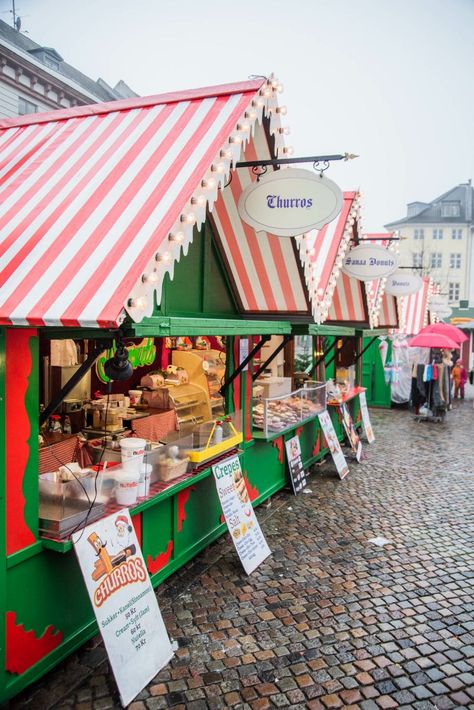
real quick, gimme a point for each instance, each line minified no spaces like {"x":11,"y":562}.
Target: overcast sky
{"x":389,"y":80}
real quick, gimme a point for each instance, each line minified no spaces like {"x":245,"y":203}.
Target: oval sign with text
{"x":438,"y":303}
{"x":402,"y":284}
{"x":369,"y":261}
{"x":289,"y":202}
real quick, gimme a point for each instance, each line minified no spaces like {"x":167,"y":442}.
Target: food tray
{"x":166,"y":471}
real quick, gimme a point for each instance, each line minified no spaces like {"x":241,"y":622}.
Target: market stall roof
{"x":413,"y":309}
{"x":382,"y":306}
{"x":265,"y":270}
{"x":335,"y":296}
{"x":99,"y":202}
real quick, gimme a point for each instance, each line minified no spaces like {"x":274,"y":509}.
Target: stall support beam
{"x":286,"y":339}
{"x":75,"y":379}
{"x":338,"y":350}
{"x":372,"y":340}
{"x":243,"y":364}
{"x":321,"y":359}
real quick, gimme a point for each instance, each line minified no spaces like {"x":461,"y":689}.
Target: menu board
{"x":333,"y":444}
{"x":239,"y":514}
{"x":369,"y":432}
{"x":124,"y":602}
{"x":349,"y":428}
{"x":295,"y":464}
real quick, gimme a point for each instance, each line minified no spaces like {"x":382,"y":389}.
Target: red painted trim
{"x":127,"y":104}
{"x":154,"y":564}
{"x":24,"y":648}
{"x":317,"y":445}
{"x":17,"y":432}
{"x":137,"y":524}
{"x":183,"y":497}
{"x":278,"y":444}
{"x":251,"y":490}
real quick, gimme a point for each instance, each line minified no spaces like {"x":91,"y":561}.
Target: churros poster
{"x":239,"y":514}
{"x":124,"y":602}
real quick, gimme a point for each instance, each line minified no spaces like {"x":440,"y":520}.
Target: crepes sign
{"x":239,"y":514}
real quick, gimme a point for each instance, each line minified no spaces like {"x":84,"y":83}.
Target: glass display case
{"x":274,"y":414}
{"x":190,"y":404}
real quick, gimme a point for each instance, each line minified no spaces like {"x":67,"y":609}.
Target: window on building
{"x":437,"y":233}
{"x":436,"y":260}
{"x":453,"y":291}
{"x":25,"y":107}
{"x":417,"y":260}
{"x":419,"y":234}
{"x":455,"y":261}
{"x":456,"y":234}
{"x":450,"y":209}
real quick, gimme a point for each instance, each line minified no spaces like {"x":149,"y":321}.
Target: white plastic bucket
{"x":132,"y":451}
{"x":126,"y":488}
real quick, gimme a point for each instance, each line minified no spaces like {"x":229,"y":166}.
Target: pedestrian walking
{"x":459,"y":377}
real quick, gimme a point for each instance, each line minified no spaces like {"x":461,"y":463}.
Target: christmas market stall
{"x":137,"y":309}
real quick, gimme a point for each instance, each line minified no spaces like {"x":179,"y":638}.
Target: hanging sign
{"x":239,"y":514}
{"x":295,"y":464}
{"x":349,"y":428}
{"x":289,"y":202}
{"x":333,"y":444}
{"x":124,"y":602}
{"x":369,"y":432}
{"x":438,"y":302}
{"x":369,"y":261}
{"x":402,"y":284}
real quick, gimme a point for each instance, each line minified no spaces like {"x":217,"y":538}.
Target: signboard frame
{"x":295,"y":464}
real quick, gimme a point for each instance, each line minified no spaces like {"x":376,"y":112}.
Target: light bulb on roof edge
{"x":219,"y":168}
{"x":282,"y":110}
{"x":189,"y":218}
{"x":252,"y":115}
{"x":208,"y":183}
{"x":200,"y":200}
{"x":288,"y":149}
{"x":235,"y":139}
{"x":150,"y":278}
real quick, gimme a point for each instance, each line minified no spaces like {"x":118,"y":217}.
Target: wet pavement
{"x":331,"y":619}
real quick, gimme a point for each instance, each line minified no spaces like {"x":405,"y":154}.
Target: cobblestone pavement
{"x":330,"y":619}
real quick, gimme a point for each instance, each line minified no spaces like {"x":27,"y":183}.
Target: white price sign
{"x":239,"y":514}
{"x":333,"y":444}
{"x":369,"y":432}
{"x":124,"y":602}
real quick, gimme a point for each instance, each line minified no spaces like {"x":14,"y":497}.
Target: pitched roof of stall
{"x":99,"y":201}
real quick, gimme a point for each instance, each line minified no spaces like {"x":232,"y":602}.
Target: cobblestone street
{"x":331,"y":619}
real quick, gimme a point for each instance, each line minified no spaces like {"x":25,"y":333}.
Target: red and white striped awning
{"x":265,"y":269}
{"x":413,"y":309}
{"x":382,"y":306}
{"x":97,"y":203}
{"x":334,"y":296}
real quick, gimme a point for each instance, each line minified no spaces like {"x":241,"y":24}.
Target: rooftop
{"x":453,"y":206}
{"x":27,"y":46}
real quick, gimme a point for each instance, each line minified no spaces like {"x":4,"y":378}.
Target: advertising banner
{"x":239,"y":514}
{"x":351,"y":433}
{"x":295,"y":464}
{"x":333,"y":444}
{"x":403,"y":284}
{"x":369,"y":432}
{"x":124,"y":602}
{"x":288,"y":202}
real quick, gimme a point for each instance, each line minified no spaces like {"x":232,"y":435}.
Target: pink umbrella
{"x":433,"y":340}
{"x":451,"y":331}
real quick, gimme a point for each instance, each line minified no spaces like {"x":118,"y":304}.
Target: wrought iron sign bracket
{"x":315,"y":159}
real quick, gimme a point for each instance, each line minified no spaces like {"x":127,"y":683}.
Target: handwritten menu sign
{"x":369,"y":432}
{"x":349,"y":428}
{"x":295,"y":464}
{"x":124,"y":602}
{"x":239,"y":514}
{"x":333,"y":444}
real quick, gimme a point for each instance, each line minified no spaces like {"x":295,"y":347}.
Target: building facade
{"x":36,"y":78}
{"x":437,"y":240}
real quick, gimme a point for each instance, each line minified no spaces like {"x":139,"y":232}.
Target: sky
{"x":389,"y":80}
